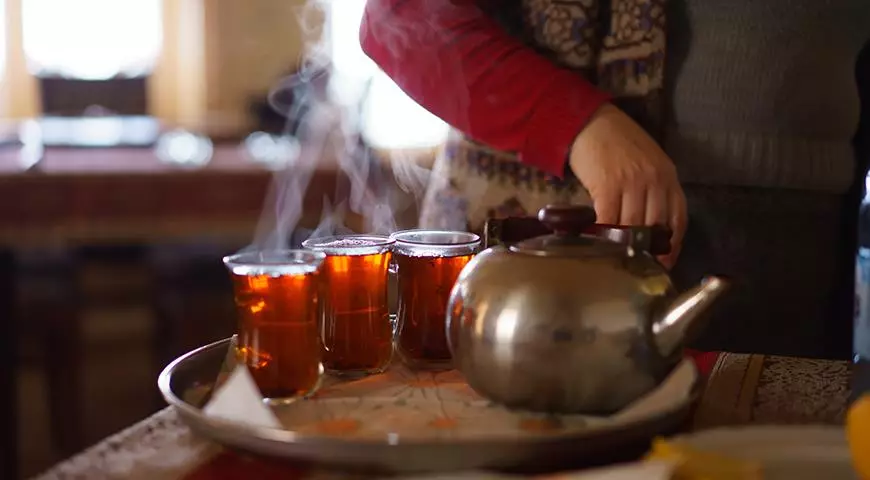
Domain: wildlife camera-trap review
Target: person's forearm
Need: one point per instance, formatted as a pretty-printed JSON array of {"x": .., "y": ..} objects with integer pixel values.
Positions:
[{"x": 462, "y": 66}]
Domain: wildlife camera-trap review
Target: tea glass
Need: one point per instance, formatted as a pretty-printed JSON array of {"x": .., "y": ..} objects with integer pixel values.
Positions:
[
  {"x": 427, "y": 264},
  {"x": 356, "y": 331},
  {"x": 276, "y": 296}
]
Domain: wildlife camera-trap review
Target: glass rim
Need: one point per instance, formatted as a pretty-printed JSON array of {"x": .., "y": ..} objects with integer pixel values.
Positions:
[
  {"x": 294, "y": 256},
  {"x": 473, "y": 237},
  {"x": 377, "y": 241}
]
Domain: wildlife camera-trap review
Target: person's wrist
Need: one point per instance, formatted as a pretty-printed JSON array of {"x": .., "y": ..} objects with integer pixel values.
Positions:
[{"x": 600, "y": 116}]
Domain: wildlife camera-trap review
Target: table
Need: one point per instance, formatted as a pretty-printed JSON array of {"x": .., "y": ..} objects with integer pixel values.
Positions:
[
  {"x": 740, "y": 389},
  {"x": 104, "y": 195}
]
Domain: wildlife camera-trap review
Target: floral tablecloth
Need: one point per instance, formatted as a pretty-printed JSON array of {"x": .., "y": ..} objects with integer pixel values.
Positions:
[{"x": 740, "y": 389}]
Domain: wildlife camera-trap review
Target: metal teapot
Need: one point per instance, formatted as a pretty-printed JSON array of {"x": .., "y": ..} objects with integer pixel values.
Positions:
[{"x": 583, "y": 320}]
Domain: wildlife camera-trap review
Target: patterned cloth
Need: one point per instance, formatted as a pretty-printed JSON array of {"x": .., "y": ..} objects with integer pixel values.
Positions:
[
  {"x": 741, "y": 389},
  {"x": 762, "y": 389},
  {"x": 618, "y": 43}
]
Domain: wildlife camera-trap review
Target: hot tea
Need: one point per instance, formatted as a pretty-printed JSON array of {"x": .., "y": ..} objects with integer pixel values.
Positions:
[
  {"x": 356, "y": 331},
  {"x": 424, "y": 288},
  {"x": 276, "y": 295},
  {"x": 428, "y": 264}
]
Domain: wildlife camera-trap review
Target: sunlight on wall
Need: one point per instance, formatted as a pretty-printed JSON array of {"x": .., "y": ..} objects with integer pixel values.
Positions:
[
  {"x": 2, "y": 38},
  {"x": 391, "y": 119},
  {"x": 92, "y": 39}
]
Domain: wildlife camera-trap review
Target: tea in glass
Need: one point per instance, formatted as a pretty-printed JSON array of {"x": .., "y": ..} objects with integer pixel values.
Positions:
[
  {"x": 356, "y": 331},
  {"x": 428, "y": 263},
  {"x": 276, "y": 295}
]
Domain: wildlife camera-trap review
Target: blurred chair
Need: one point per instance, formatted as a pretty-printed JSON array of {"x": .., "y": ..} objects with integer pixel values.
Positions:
[
  {"x": 59, "y": 289},
  {"x": 192, "y": 300},
  {"x": 8, "y": 365},
  {"x": 49, "y": 314}
]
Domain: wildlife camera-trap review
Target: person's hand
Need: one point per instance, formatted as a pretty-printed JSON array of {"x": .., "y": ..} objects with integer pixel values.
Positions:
[{"x": 630, "y": 179}]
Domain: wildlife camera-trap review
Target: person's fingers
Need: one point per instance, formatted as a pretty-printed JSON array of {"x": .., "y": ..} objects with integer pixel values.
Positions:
[
  {"x": 608, "y": 204},
  {"x": 657, "y": 207},
  {"x": 634, "y": 207},
  {"x": 678, "y": 222},
  {"x": 679, "y": 215}
]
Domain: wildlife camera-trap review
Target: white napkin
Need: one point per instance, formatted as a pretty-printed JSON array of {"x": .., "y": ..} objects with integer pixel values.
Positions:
[{"x": 239, "y": 400}]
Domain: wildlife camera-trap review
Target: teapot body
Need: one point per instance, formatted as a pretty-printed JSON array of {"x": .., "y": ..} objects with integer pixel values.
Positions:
[{"x": 559, "y": 334}]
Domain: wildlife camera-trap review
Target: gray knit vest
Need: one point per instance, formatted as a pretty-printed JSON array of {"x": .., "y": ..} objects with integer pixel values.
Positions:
[{"x": 763, "y": 92}]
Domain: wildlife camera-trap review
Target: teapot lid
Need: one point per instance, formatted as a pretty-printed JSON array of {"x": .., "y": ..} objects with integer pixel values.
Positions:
[{"x": 575, "y": 234}]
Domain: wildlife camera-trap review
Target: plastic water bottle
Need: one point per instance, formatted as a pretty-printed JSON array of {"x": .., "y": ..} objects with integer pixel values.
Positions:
[
  {"x": 861, "y": 374},
  {"x": 861, "y": 345}
]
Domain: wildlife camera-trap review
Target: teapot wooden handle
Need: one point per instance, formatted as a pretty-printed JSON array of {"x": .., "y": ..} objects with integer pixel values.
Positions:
[
  {"x": 576, "y": 220},
  {"x": 655, "y": 239}
]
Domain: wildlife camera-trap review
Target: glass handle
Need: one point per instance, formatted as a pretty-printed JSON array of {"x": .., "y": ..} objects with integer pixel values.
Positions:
[{"x": 393, "y": 294}]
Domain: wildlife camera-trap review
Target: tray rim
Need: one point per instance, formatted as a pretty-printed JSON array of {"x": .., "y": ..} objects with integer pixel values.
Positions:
[{"x": 281, "y": 435}]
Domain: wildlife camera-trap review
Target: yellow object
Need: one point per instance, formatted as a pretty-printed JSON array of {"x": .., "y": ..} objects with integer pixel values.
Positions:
[
  {"x": 858, "y": 434},
  {"x": 692, "y": 464}
]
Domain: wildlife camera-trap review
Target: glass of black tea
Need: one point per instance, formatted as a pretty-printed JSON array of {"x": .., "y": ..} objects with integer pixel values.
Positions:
[
  {"x": 356, "y": 331},
  {"x": 427, "y": 264},
  {"x": 276, "y": 295}
]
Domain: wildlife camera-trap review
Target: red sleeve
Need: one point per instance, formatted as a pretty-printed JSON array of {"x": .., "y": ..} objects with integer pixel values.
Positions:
[{"x": 461, "y": 65}]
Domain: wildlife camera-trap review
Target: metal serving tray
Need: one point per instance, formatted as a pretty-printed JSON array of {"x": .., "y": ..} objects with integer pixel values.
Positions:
[{"x": 407, "y": 422}]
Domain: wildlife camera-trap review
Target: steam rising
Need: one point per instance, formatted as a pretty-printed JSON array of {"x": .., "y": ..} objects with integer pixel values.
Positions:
[{"x": 330, "y": 138}]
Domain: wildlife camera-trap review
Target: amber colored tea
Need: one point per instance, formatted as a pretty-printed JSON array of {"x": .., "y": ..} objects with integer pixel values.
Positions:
[
  {"x": 424, "y": 285},
  {"x": 356, "y": 333},
  {"x": 278, "y": 337}
]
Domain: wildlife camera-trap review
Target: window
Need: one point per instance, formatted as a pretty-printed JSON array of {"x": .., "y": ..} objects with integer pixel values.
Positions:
[
  {"x": 92, "y": 57},
  {"x": 91, "y": 39},
  {"x": 390, "y": 119}
]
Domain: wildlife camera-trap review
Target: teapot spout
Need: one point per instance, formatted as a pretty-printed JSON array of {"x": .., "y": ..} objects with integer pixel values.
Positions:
[{"x": 675, "y": 325}]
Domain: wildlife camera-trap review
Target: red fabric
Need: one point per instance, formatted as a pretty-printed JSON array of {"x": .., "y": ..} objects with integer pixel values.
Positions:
[
  {"x": 705, "y": 361},
  {"x": 228, "y": 465},
  {"x": 459, "y": 63}
]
